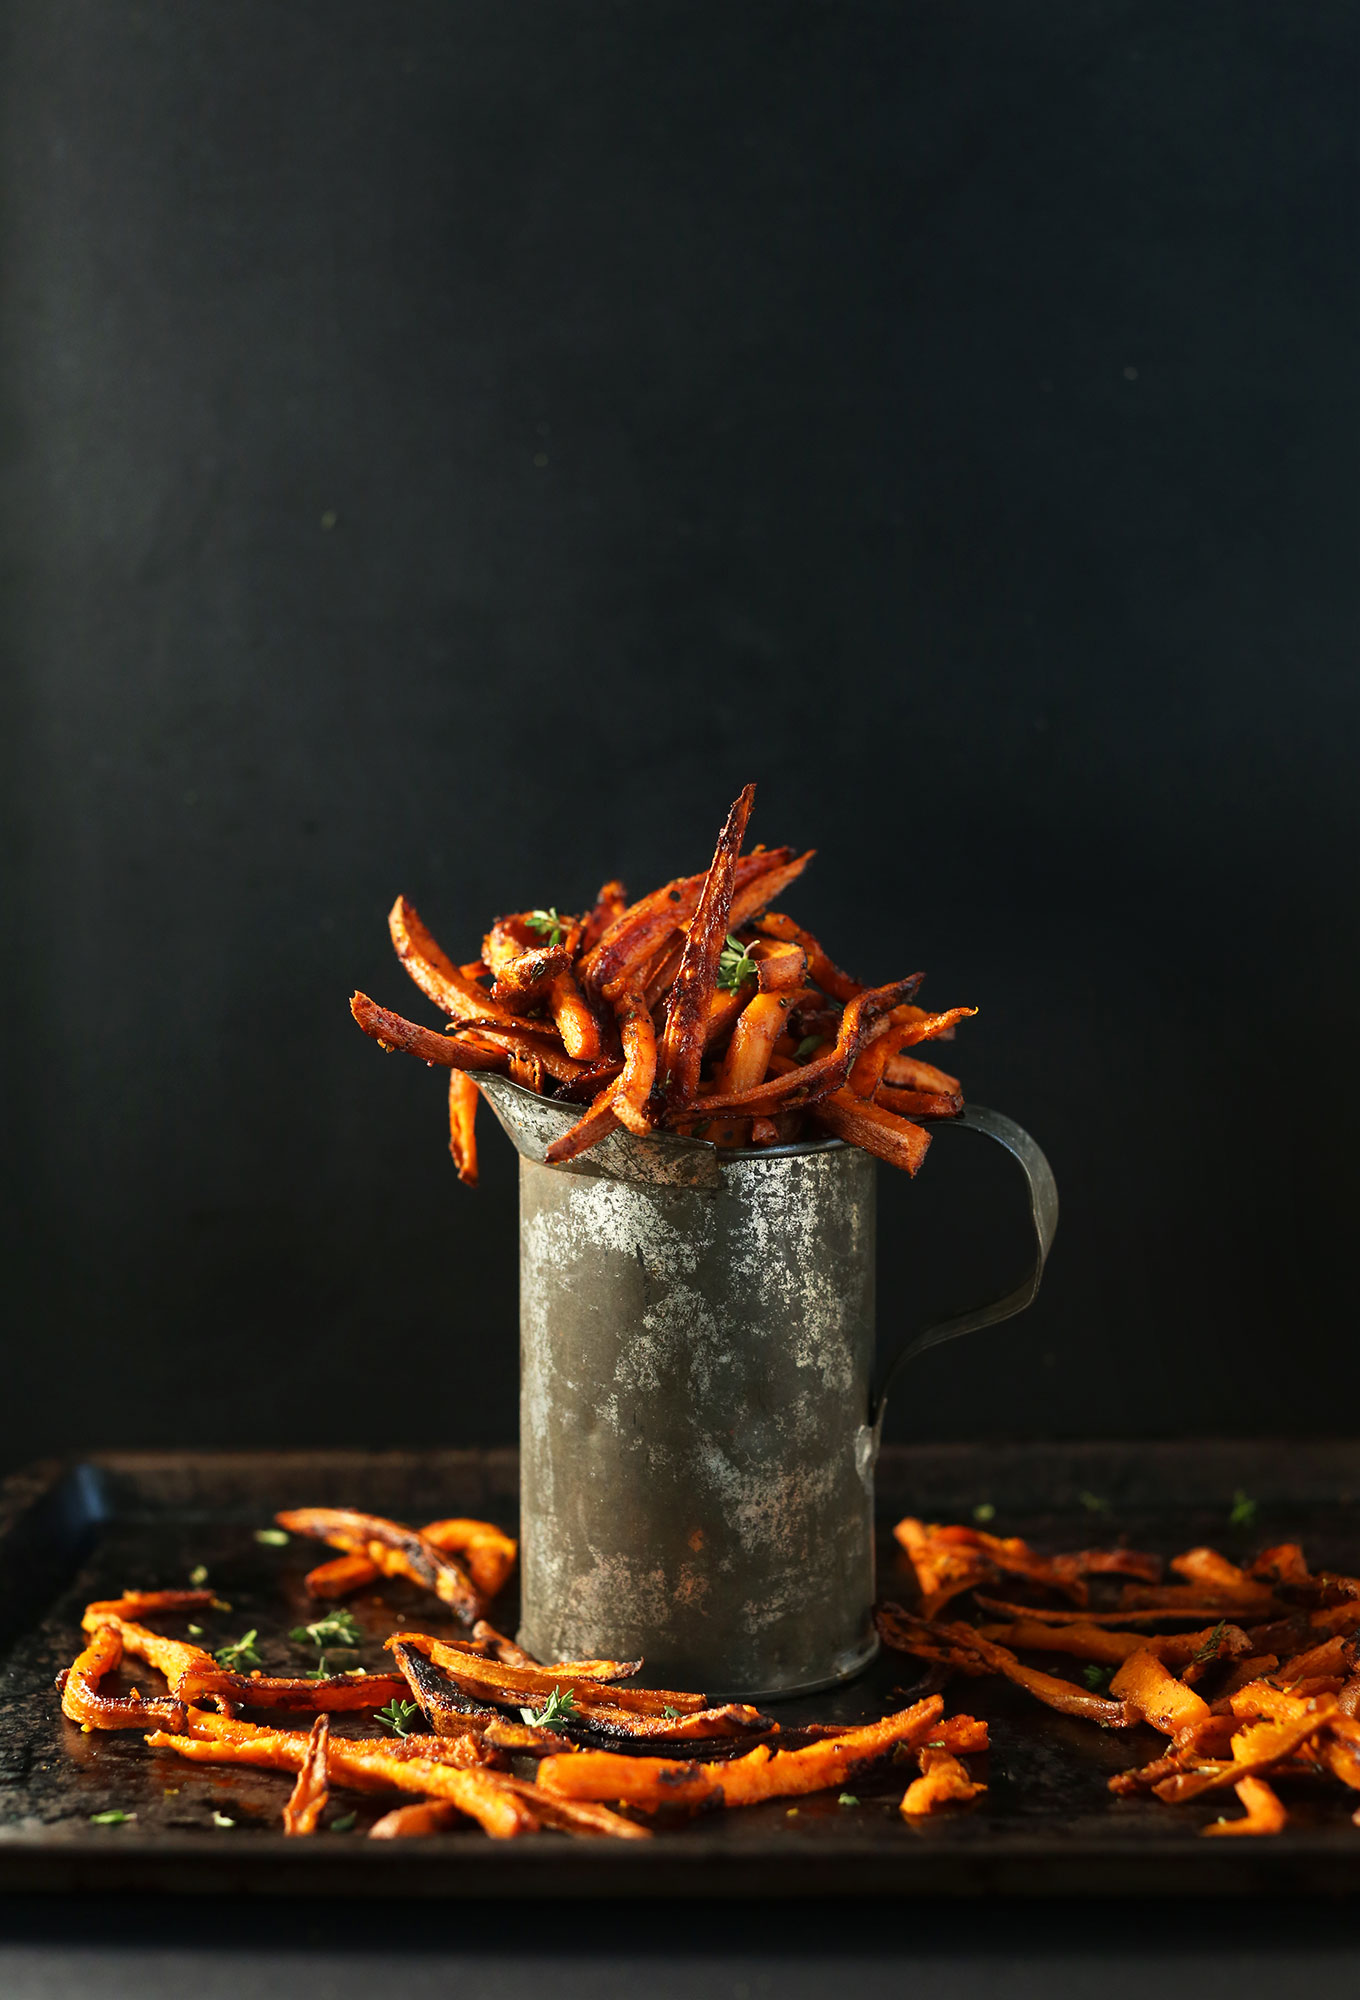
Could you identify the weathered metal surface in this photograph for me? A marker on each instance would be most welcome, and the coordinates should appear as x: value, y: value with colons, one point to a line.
x: 698, y: 1426
x: 694, y: 1383
x: 1046, y: 1826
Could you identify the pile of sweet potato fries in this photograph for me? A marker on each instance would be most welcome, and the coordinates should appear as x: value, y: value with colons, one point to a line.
x: 1253, y: 1675
x: 575, y: 1729
x: 698, y: 1009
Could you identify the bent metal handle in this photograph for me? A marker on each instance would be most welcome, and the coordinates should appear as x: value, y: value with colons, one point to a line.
x: 1043, y: 1205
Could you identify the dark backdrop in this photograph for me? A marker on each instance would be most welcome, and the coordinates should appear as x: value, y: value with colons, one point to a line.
x: 449, y: 447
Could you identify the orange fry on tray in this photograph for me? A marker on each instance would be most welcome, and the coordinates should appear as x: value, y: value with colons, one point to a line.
x: 943, y: 1781
x: 653, y: 1782
x: 1155, y: 1694
x: 82, y: 1702
x: 366, y: 1766
x: 135, y: 1604
x: 394, y: 1548
x: 961, y: 1647
x: 682, y: 1043
x: 311, y: 1793
x: 1264, y: 1811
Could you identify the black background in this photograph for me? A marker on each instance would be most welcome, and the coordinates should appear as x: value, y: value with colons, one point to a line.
x: 450, y: 447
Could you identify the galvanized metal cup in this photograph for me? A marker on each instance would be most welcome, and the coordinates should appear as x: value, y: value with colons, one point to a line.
x: 698, y: 1421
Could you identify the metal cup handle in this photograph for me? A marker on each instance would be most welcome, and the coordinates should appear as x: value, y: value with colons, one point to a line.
x: 1043, y: 1207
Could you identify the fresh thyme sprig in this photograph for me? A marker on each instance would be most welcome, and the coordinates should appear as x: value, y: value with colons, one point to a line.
x: 735, y: 965
x: 337, y: 1630
x: 396, y: 1716
x: 550, y: 927
x: 1097, y: 1678
x: 1243, y: 1510
x: 240, y: 1653
x: 559, y: 1707
x: 111, y: 1818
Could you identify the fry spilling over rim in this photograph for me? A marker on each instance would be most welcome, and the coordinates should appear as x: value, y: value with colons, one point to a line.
x: 699, y: 1009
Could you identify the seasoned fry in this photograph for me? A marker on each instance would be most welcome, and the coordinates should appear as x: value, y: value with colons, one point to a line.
x: 1264, y: 1812
x: 438, y: 978
x: 961, y: 1647
x: 395, y: 1549
x: 943, y: 1781
x: 906, y: 1073
x: 826, y: 974
x: 463, y: 1100
x: 82, y: 1702
x: 597, y: 1123
x: 136, y: 1604
x: 575, y: 1019
x: 392, y: 1031
x: 610, y: 904
x: 759, y: 1025
x: 880, y: 1132
x: 917, y: 1103
x: 363, y: 1765
x: 311, y: 1793
x: 629, y: 1094
x: 410, y: 1822
x: 653, y: 1782
x: 523, y: 966
x: 682, y: 1044
x: 815, y: 1080
x: 1156, y: 1695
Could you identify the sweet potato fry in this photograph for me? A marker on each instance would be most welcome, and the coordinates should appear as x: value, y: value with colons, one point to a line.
x: 517, y: 1042
x: 758, y: 1027
x: 452, y: 1713
x: 1126, y: 1617
x: 392, y: 1031
x: 1215, y: 1573
x: 633, y: 1088
x: 336, y: 1692
x: 311, y: 1793
x: 780, y: 968
x: 396, y: 1550
x: 879, y: 1132
x: 597, y: 1123
x: 362, y: 1765
x: 1255, y: 1747
x: 438, y: 978
x: 1264, y: 1811
x: 943, y: 1781
x: 751, y: 895
x: 610, y: 1710
x: 645, y: 927
x: 463, y: 1099
x: 816, y: 1079
x: 137, y: 1604
x: 1156, y: 1695
x: 575, y: 1019
x: 653, y: 1782
x: 821, y: 968
x: 917, y: 1103
x: 961, y: 1647
x: 910, y: 1025
x: 903, y: 1072
x: 175, y: 1658
x: 610, y: 904
x: 515, y: 1656
x: 82, y: 1702
x: 524, y: 967
x: 682, y: 1043
x: 410, y: 1822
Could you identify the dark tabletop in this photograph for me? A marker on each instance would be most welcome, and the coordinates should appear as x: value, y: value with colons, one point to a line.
x: 949, y: 1951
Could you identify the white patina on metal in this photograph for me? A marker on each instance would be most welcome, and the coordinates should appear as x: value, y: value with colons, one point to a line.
x: 697, y: 1420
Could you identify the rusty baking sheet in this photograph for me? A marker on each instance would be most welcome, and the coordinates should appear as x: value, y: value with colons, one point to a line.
x: 1047, y: 1825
